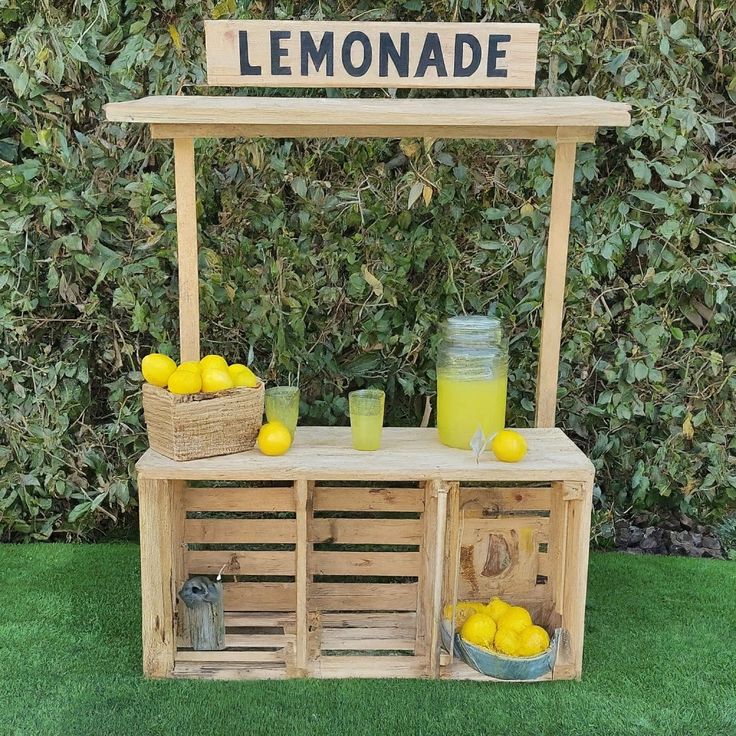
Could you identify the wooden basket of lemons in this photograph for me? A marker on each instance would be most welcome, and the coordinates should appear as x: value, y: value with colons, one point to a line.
x: 200, y: 408
x: 499, y: 640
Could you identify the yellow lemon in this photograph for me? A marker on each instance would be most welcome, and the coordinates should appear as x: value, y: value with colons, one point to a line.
x: 214, y: 379
x: 509, y: 446
x: 532, y: 641
x: 516, y: 618
x: 506, y: 641
x: 213, y: 361
x: 185, y: 381
x: 246, y: 377
x: 274, y: 439
x: 190, y: 365
x: 235, y: 368
x: 465, y: 609
x: 479, y: 629
x: 496, y: 608
x: 157, y: 368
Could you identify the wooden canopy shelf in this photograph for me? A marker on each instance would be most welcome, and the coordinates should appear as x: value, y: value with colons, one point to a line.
x: 561, y: 118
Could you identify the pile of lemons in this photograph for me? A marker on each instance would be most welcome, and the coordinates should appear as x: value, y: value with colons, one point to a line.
x: 499, y: 627
x: 210, y: 374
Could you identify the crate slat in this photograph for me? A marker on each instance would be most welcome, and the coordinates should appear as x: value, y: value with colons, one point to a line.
x: 232, y: 656
x: 366, y: 639
x: 366, y: 531
x: 364, y: 563
x: 260, y: 596
x: 363, y: 596
x: 218, y: 671
x: 368, y: 499
x: 257, y: 641
x: 240, y: 563
x: 477, y: 501
x: 367, y: 666
x: 239, y: 531
x: 250, y: 619
x: 239, y: 499
x: 405, y: 620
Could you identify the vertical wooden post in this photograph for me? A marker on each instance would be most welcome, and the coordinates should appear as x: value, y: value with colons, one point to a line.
x: 303, y: 503
x: 178, y: 547
x: 554, y: 284
x: 430, y: 590
x: 186, y: 234
x: 578, y: 500
x: 451, y: 567
x: 156, y: 520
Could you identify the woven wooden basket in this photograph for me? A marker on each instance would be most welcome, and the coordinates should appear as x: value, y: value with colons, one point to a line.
x: 187, y: 427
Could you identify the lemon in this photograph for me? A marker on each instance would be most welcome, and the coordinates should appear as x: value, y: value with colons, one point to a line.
x: 516, y: 618
x: 532, y: 641
x: 185, y: 381
x: 479, y: 629
x: 508, y: 446
x: 496, y: 608
x: 274, y: 439
x: 246, y: 377
x: 506, y: 641
x: 235, y: 368
x: 190, y: 365
x: 213, y: 361
x: 464, y: 610
x: 214, y: 379
x: 157, y: 368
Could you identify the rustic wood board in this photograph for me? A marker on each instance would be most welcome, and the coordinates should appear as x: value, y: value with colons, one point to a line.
x: 353, y: 117
x: 325, y: 453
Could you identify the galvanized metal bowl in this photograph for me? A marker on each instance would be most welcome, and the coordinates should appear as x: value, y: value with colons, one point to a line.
x: 501, y: 666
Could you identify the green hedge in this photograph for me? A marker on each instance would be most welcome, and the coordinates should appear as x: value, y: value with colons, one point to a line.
x: 314, y: 259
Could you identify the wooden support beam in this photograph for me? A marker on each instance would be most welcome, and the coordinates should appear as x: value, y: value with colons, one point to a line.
x: 451, y: 566
x: 572, y: 597
x: 186, y: 234
x: 554, y: 284
x: 156, y: 520
x: 303, y: 502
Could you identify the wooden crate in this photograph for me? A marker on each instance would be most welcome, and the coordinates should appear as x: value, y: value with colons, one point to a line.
x: 337, y: 563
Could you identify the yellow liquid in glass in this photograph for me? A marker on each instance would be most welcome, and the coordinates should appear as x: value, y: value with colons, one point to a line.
x: 366, y: 429
x: 463, y: 406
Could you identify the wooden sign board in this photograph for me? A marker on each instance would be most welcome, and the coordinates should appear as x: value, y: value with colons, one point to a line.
x: 254, y: 53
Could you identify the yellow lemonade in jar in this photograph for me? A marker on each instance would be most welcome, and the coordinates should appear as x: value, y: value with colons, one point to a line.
x: 463, y: 406
x: 472, y: 371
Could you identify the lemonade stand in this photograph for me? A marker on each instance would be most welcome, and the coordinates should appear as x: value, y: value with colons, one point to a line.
x: 336, y: 562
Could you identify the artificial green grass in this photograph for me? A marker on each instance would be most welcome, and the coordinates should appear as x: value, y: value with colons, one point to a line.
x: 660, y: 658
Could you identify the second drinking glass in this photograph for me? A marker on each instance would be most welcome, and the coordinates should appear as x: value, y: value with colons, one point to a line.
x: 366, y: 418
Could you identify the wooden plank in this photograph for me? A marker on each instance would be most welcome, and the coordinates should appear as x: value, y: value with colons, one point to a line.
x: 554, y: 284
x: 297, y: 129
x: 363, y: 596
x: 217, y: 671
x: 240, y: 531
x: 178, y: 552
x: 366, y: 531
x: 239, y: 619
x: 365, y: 563
x: 187, y: 250
x: 326, y: 453
x: 260, y: 597
x: 435, y: 615
x: 303, y: 513
x: 577, y: 548
x: 372, y: 667
x: 368, y: 499
x: 366, y: 639
x: 157, y: 597
x: 257, y: 641
x: 420, y: 116
x: 269, y: 562
x: 239, y: 499
x: 398, y: 620
x: 486, y: 502
x: 451, y: 563
x: 284, y: 53
x: 230, y: 656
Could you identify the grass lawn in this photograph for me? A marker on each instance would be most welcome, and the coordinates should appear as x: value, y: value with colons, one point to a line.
x: 660, y: 658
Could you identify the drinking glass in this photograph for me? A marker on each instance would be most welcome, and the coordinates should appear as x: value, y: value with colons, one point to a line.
x: 282, y: 405
x: 366, y: 418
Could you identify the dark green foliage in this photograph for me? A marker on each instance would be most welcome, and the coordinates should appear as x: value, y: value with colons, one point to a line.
x: 326, y: 262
